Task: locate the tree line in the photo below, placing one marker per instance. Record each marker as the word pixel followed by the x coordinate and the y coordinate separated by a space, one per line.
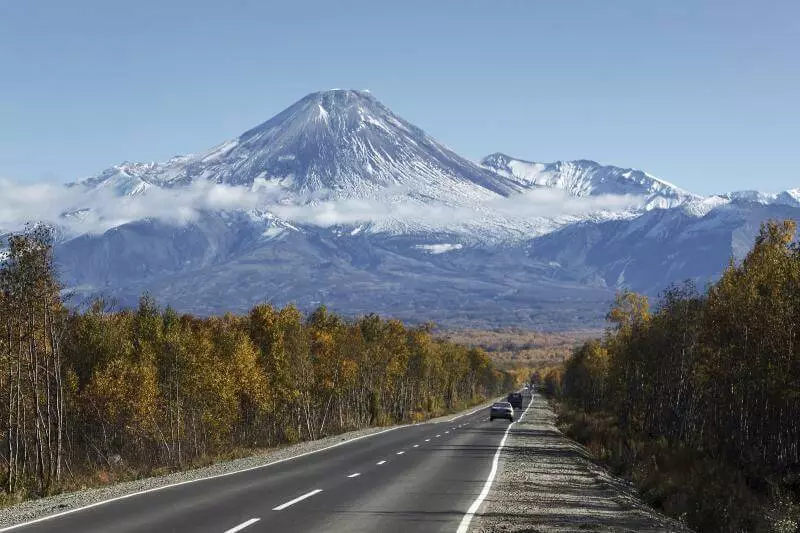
pixel 147 388
pixel 716 372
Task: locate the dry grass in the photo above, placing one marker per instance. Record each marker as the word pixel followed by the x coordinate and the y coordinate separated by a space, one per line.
pixel 701 490
pixel 512 348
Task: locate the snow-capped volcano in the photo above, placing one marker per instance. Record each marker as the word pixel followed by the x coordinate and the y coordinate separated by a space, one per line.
pixel 584 178
pixel 331 144
pixel 344 157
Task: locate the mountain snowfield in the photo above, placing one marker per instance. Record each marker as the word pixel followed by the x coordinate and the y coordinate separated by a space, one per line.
pixel 338 201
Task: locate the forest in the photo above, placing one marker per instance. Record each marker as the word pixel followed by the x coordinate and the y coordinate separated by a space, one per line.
pixel 698 399
pixel 90 394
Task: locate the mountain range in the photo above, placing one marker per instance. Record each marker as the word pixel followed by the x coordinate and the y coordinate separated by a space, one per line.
pixel 338 201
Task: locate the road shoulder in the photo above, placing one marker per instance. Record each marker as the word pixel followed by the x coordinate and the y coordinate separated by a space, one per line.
pixel 548 483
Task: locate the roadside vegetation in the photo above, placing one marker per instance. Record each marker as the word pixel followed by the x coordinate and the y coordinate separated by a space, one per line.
pixel 95 396
pixel 698 401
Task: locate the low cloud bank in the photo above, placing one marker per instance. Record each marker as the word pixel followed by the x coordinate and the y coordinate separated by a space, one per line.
pixel 533 205
pixel 78 209
pixel 82 210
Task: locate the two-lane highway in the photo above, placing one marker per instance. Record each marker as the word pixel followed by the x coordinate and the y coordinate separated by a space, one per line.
pixel 422 477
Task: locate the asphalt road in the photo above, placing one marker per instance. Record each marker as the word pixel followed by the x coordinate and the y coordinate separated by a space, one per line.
pixel 416 478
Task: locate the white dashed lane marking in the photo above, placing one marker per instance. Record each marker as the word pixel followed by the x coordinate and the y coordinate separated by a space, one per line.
pixel 243 525
pixel 283 506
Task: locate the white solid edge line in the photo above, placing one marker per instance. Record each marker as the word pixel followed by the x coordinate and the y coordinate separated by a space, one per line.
pixel 283 506
pixel 243 525
pixel 155 489
pixel 380 462
pixel 355 474
pixel 465 521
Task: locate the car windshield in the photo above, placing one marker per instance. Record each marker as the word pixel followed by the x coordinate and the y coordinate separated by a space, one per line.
pixel 502 405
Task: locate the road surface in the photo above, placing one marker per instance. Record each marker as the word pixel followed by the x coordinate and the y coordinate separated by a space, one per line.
pixel 415 478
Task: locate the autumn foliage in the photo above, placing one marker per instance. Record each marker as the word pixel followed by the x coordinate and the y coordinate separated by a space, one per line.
pixel 148 388
pixel 715 375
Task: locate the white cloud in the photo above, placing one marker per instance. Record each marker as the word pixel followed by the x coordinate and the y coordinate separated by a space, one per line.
pixel 79 210
pixel 544 202
pixel 534 205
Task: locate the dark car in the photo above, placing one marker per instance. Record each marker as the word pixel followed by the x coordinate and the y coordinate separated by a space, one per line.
pixel 501 410
pixel 515 399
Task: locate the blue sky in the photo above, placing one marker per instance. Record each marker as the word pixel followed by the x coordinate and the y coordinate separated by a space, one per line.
pixel 704 94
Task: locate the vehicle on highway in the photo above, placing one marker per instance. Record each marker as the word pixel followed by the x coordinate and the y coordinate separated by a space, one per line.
pixel 515 399
pixel 501 410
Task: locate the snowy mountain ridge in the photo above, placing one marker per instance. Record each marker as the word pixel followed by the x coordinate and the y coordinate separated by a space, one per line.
pixel 790 197
pixel 583 178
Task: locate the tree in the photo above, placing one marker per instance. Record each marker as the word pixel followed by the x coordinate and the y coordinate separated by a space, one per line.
pixel 717 373
pixel 33 321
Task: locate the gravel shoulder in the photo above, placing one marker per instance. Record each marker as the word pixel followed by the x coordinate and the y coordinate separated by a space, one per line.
pixel 548 483
pixel 33 509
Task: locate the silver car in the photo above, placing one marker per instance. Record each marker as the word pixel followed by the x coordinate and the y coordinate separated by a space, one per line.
pixel 501 410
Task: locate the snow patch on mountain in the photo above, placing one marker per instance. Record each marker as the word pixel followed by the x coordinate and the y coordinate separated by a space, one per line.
pixel 702 206
pixel 439 248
